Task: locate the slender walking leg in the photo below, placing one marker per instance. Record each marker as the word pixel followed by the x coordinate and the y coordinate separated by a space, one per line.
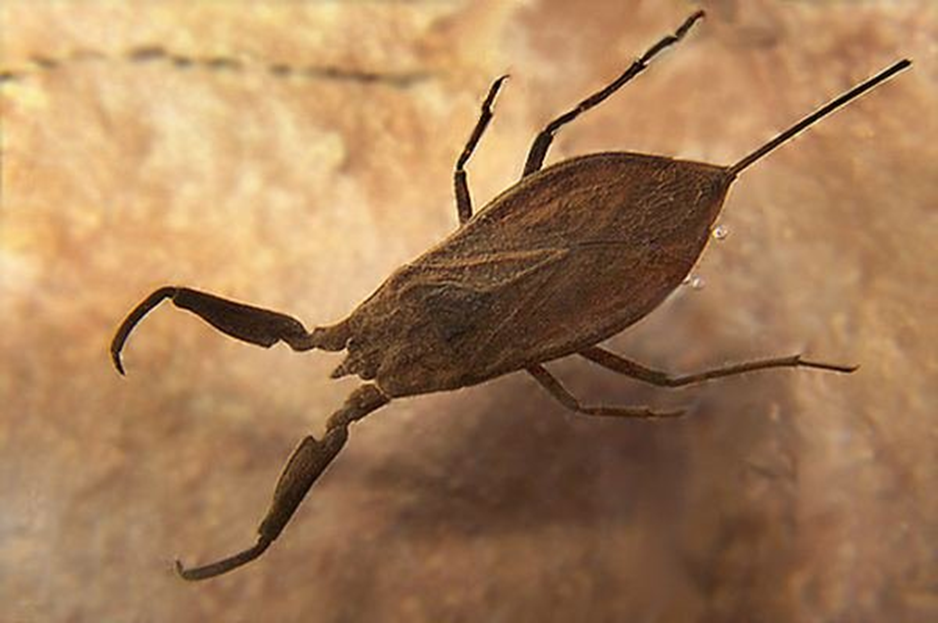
pixel 545 138
pixel 558 391
pixel 303 468
pixel 244 322
pixel 624 366
pixel 463 199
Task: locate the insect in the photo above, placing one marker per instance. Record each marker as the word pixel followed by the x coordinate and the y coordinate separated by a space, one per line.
pixel 567 257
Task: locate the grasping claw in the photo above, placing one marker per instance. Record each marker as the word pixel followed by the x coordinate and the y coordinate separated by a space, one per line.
pixel 135 316
pixel 254 325
pixel 225 565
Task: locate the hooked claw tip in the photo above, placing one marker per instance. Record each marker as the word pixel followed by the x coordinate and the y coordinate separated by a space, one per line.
pixel 116 358
pixel 190 575
pixel 225 565
pixel 135 316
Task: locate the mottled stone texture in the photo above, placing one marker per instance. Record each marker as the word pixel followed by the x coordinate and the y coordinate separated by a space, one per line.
pixel 291 154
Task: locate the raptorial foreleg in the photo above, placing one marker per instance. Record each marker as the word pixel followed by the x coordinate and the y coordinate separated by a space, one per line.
pixel 255 325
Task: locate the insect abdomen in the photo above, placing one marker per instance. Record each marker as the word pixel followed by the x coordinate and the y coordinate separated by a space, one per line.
pixel 562 260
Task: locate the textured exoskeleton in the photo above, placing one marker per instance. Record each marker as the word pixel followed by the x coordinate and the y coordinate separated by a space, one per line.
pixel 566 258
pixel 569 256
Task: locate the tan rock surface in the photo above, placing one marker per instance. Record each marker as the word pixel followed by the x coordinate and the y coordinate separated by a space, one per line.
pixel 292 154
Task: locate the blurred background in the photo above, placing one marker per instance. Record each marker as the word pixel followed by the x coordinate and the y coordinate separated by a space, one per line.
pixel 292 154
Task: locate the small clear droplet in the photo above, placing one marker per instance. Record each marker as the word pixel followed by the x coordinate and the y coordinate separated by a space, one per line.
pixel 695 281
pixel 720 232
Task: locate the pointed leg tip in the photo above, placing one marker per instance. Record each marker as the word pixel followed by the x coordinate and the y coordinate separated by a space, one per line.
pixel 194 574
pixel 224 565
pixel 189 575
pixel 493 92
pixel 833 367
pixel 118 364
pixel 690 21
pixel 180 569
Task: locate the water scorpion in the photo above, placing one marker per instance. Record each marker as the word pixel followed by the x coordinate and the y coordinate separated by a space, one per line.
pixel 567 257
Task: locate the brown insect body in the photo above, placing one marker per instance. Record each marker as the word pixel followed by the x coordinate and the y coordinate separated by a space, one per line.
pixel 566 258
pixel 569 256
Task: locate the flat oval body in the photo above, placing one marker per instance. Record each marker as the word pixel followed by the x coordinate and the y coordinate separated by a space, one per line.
pixel 562 260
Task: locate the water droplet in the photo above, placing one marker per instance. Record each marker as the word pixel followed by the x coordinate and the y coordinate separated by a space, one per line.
pixel 720 232
pixel 695 281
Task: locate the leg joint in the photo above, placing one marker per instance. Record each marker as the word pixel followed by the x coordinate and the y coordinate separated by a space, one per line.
pixel 360 403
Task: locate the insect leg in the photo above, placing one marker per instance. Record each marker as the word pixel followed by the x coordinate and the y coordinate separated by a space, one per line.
pixel 244 322
pixel 558 391
pixel 545 138
pixel 308 461
pixel 621 365
pixel 463 200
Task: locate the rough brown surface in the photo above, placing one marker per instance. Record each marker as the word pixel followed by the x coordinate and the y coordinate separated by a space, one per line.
pixel 783 497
